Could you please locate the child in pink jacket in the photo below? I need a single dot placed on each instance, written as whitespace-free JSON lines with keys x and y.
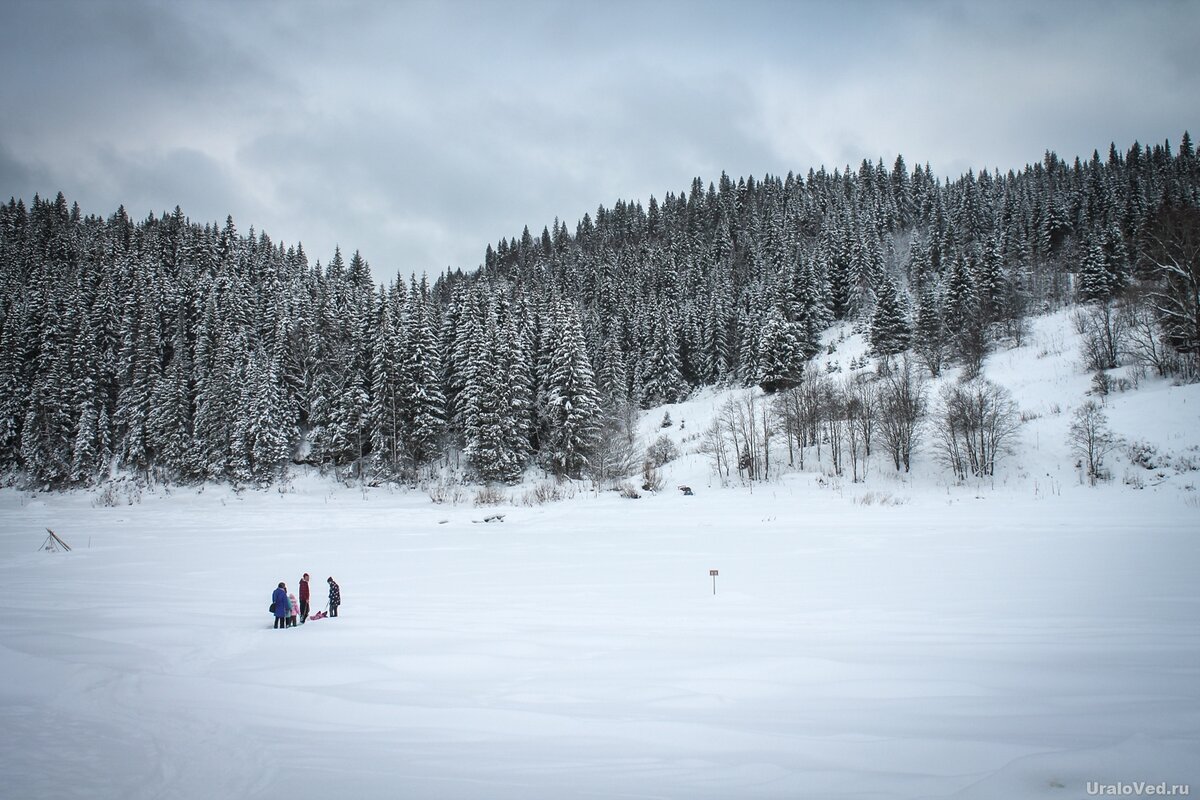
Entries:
{"x":293,"y":610}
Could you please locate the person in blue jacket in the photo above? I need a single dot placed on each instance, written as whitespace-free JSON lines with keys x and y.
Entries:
{"x":280,"y":600}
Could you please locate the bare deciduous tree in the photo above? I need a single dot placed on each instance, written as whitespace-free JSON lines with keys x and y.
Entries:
{"x":1173,"y":262}
{"x":741,"y":436}
{"x":978,"y":420}
{"x":1144,"y":342}
{"x":902,"y":408}
{"x":1090,"y":439}
{"x":615,"y":456}
{"x":1103,"y":330}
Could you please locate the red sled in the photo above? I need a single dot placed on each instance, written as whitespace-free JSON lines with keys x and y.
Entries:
{"x":319,"y":615}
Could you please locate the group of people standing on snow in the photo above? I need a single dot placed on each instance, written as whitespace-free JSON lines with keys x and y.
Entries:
{"x":286,"y":609}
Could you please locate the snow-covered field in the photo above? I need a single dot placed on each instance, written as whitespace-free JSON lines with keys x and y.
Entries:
{"x":901,"y":638}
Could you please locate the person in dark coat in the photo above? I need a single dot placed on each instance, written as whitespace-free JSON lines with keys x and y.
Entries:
{"x":304,"y":598}
{"x":279,"y":599}
{"x":335,"y":597}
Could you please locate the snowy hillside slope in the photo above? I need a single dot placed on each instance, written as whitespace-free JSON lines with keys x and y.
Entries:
{"x":1048,"y":383}
{"x":906,"y":637}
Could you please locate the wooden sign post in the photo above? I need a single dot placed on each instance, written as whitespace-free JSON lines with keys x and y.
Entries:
{"x":713,"y":573}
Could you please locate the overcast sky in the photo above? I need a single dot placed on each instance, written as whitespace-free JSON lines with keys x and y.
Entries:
{"x":420,"y":132}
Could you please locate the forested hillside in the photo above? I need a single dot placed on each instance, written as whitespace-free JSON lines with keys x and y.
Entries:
{"x":185,"y":352}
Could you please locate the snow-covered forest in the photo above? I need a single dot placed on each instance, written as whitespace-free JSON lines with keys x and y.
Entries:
{"x":185,"y":352}
{"x":1018,"y":635}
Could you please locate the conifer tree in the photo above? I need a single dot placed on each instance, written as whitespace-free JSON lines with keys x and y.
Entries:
{"x":572,"y":402}
{"x":47,"y":435}
{"x":662,"y":379}
{"x":516,"y":367}
{"x":780,"y":354}
{"x":964,"y":319}
{"x":488,"y":417}
{"x":16,"y":343}
{"x":930,"y":336}
{"x":386,"y":398}
{"x":158,"y":340}
{"x":612,"y":379}
{"x":169,"y":426}
{"x":139,"y":364}
{"x":1094,"y":284}
{"x":890,"y":329}
{"x":421,"y":377}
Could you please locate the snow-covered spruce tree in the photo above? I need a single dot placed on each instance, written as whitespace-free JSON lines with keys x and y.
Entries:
{"x":87,"y":453}
{"x":572,"y":402}
{"x":491,"y":448}
{"x":780,"y":354}
{"x":467,"y":358}
{"x":329,"y":353}
{"x":750,"y":325}
{"x":1094,"y":284}
{"x":16,"y":342}
{"x":516,"y":366}
{"x":963,"y":315}
{"x":423,"y":404}
{"x":612,"y":377}
{"x":460,"y":331}
{"x":140,"y":366}
{"x":867,"y":258}
{"x":47,"y":435}
{"x":348,"y":436}
{"x":929,"y":336}
{"x":890,"y":332}
{"x":835,"y":253}
{"x":349,"y":433}
{"x":387,"y":399}
{"x":213,"y":376}
{"x":804,"y":305}
{"x":169,"y":426}
{"x":263,"y":427}
{"x":662,"y":380}
{"x":719,"y":325}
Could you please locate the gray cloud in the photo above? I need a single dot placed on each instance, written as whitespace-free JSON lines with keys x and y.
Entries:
{"x":419,"y":132}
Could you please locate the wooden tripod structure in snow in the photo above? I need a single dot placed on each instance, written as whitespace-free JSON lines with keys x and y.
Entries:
{"x":53,"y":542}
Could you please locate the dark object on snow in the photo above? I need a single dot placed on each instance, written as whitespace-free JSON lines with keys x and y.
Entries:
{"x":53,"y":542}
{"x":687,"y":490}
{"x":335,"y":596}
{"x":492,"y":518}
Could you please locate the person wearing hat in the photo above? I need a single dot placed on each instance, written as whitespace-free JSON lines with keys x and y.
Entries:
{"x":279,"y":603}
{"x":304,"y":598}
{"x":335,"y":596}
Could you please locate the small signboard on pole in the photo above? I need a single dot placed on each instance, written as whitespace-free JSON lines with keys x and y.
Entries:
{"x":713,"y":573}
